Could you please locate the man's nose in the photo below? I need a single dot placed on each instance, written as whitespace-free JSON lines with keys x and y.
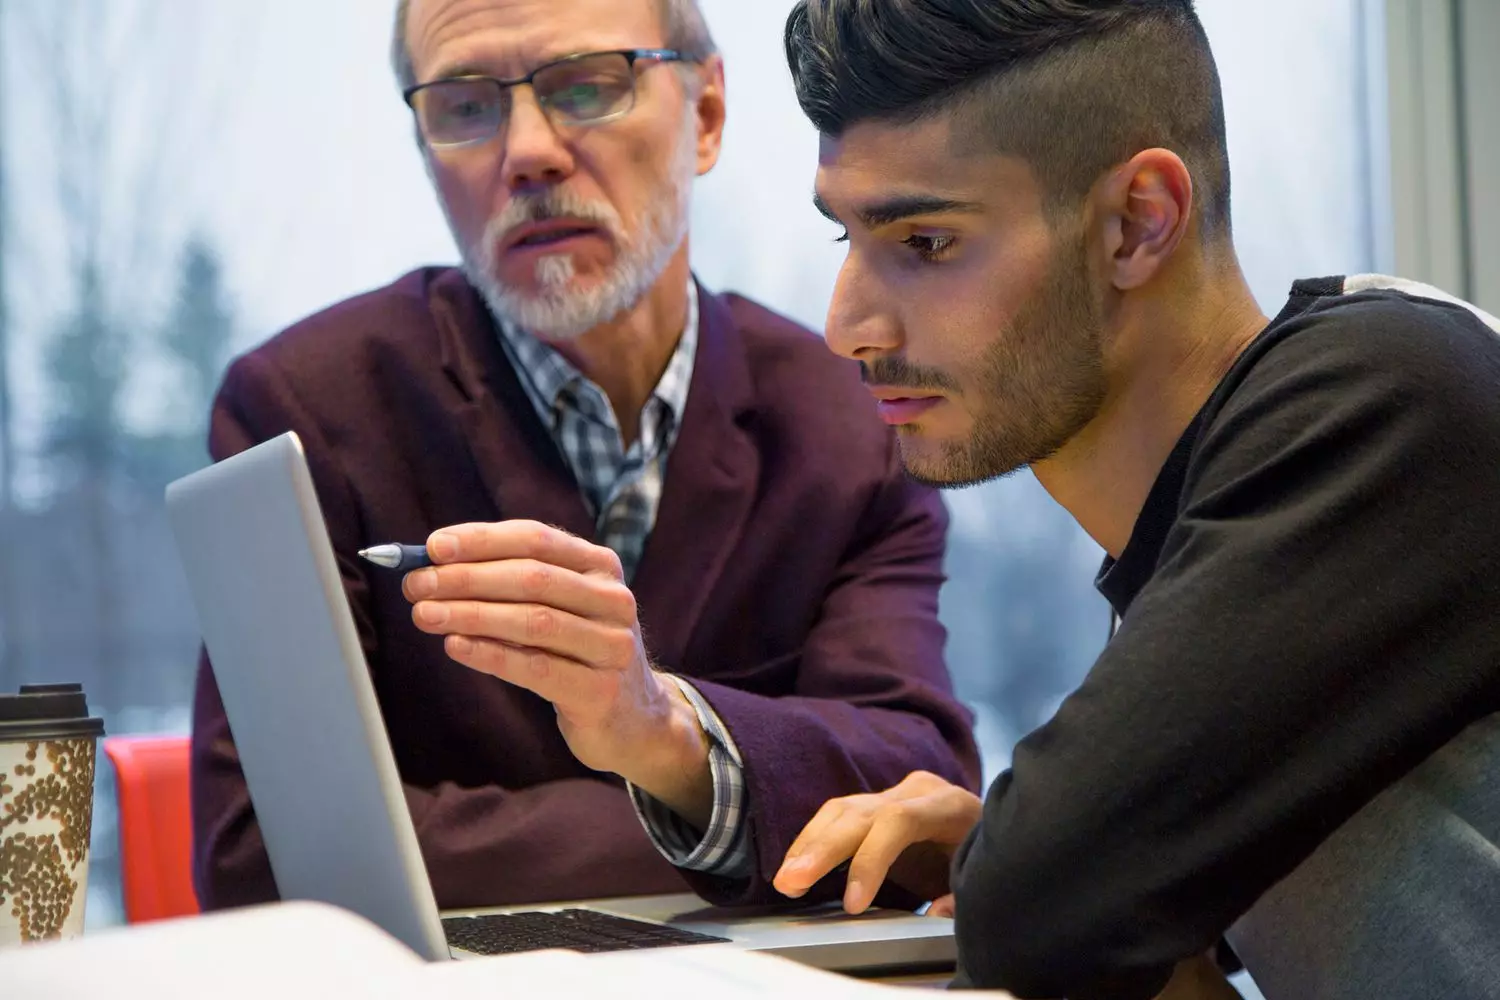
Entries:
{"x":861,"y":325}
{"x":534,"y":152}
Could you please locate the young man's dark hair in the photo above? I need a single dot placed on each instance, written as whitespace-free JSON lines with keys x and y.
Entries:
{"x":1291,"y":741}
{"x":1086,"y":84}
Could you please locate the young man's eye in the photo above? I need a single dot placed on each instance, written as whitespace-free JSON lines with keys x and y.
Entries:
{"x":842,"y":237}
{"x":930,"y":248}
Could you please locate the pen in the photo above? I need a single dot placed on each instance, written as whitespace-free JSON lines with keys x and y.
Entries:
{"x":403,"y":558}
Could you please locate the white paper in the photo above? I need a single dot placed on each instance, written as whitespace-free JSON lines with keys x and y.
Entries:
{"x":293,"y":951}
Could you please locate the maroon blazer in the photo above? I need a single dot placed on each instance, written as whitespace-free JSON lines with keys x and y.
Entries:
{"x":792,"y":574}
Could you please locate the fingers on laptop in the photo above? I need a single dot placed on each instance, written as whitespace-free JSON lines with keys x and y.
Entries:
{"x":911,"y":828}
{"x":829,"y":839}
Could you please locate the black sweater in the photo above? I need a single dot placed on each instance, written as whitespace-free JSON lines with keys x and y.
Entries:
{"x":1309,"y":611}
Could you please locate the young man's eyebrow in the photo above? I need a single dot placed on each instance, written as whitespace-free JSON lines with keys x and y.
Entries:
{"x":898,"y":207}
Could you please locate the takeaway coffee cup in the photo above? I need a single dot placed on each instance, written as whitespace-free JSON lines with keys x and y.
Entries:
{"x":47,"y":747}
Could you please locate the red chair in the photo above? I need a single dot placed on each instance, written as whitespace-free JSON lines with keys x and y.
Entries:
{"x":156,"y":833}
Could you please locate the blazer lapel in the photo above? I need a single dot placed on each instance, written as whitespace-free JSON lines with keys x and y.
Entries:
{"x":709,"y":488}
{"x":518,"y":461}
{"x":711,"y":475}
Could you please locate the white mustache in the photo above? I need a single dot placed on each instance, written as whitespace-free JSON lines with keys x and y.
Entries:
{"x":555,"y":204}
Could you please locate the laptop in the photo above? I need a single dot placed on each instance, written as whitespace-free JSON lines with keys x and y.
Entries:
{"x":323,"y":780}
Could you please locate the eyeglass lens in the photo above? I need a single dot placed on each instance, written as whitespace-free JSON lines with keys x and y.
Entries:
{"x":577,"y":91}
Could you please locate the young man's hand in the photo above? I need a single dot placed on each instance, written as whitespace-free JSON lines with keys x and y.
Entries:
{"x":907,"y":833}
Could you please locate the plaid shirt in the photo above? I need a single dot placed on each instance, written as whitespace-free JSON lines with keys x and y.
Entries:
{"x":622,"y":487}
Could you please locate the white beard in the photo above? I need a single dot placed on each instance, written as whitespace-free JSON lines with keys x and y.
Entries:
{"x":558,"y":310}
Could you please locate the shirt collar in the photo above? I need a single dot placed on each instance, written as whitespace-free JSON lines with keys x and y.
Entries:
{"x":546,"y":374}
{"x":1120,"y":580}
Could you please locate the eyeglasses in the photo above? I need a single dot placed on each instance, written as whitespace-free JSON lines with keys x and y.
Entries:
{"x":584,"y":89}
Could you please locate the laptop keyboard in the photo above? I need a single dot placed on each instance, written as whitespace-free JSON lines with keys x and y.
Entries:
{"x":578,"y":930}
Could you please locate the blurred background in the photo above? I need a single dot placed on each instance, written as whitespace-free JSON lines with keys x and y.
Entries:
{"x":180,"y":180}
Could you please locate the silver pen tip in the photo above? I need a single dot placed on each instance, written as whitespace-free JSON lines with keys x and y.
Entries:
{"x":388,"y":556}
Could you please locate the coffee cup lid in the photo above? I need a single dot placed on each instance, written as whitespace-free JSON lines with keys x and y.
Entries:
{"x":47,"y":712}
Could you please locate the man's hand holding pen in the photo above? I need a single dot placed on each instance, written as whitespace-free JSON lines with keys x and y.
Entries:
{"x":549,"y":612}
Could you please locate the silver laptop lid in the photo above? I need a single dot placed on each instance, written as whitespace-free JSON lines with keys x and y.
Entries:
{"x":297,"y":691}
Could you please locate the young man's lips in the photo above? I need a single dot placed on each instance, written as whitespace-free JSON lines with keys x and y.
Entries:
{"x":905,"y":409}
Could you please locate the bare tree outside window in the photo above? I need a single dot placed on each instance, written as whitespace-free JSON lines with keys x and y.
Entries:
{"x":115,"y":324}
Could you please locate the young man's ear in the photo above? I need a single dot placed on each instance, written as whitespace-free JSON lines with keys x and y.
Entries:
{"x":1147,"y":205}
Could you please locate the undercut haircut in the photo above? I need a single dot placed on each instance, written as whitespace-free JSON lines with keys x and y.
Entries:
{"x":1073,"y":87}
{"x":682,"y":22}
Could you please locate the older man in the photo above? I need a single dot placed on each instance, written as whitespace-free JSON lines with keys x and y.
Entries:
{"x":678,"y":561}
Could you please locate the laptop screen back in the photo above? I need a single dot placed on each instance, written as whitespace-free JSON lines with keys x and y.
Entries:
{"x":297,"y":691}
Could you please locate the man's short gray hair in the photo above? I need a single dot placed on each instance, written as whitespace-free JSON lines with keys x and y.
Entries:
{"x":682,"y":22}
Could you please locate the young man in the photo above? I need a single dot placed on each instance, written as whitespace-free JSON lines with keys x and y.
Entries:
{"x":1292,"y":739}
{"x":741,"y":577}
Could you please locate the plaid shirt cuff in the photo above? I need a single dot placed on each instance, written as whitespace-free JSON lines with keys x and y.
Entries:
{"x":723,"y":849}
